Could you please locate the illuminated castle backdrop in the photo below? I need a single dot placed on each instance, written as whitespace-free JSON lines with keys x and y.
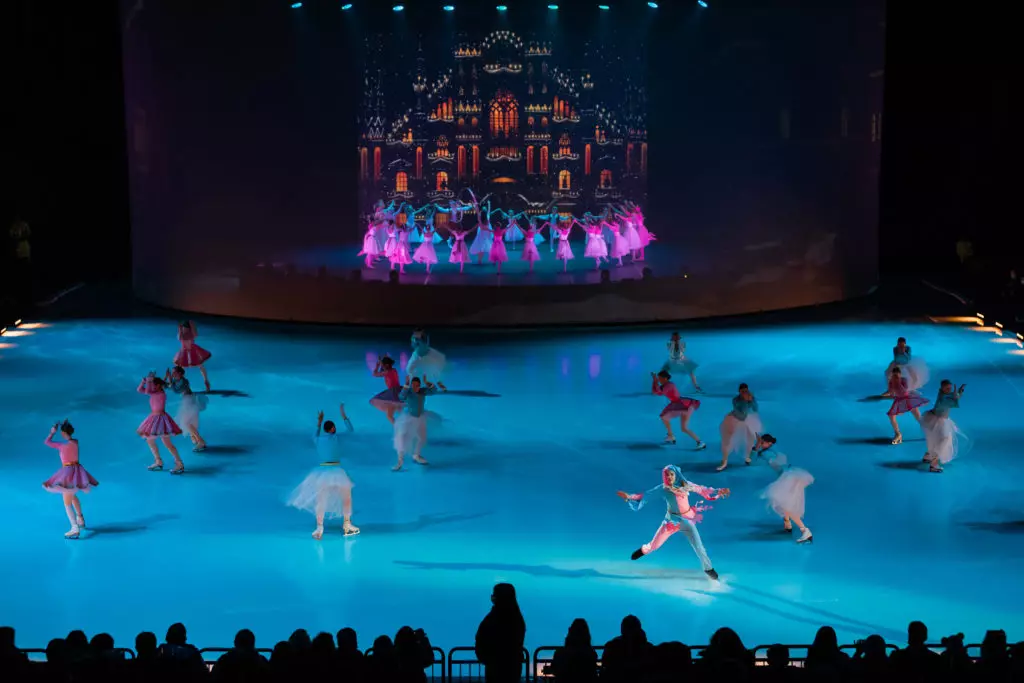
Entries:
{"x":507,"y":115}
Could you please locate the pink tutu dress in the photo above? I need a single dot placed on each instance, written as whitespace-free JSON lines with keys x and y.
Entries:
{"x":370,"y":247}
{"x":191,"y":355}
{"x":785,"y":495}
{"x":71,"y":477}
{"x":498,"y":252}
{"x":620,"y":245}
{"x":564,"y":252}
{"x":460,"y":252}
{"x":159,"y":423}
{"x":530,"y":252}
{"x":402,"y":253}
{"x":425,"y":253}
{"x":904,"y":400}
{"x":631,"y":234}
{"x":390,"y":396}
{"x":645,"y":236}
{"x":392,"y":241}
{"x":596,"y":246}
{"x":677,"y":404}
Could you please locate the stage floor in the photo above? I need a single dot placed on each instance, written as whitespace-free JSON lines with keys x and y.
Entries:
{"x":662,"y":259}
{"x":542,"y":430}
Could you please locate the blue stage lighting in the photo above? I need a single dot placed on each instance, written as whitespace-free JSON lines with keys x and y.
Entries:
{"x":449,"y":8}
{"x":398,"y":8}
{"x":652,"y":5}
{"x":604,"y":7}
{"x":552,"y":6}
{"x":296,"y":5}
{"x":502,"y":8}
{"x":702,"y":3}
{"x":346,"y":7}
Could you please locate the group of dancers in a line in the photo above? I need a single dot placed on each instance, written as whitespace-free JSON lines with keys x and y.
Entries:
{"x":616,"y":233}
{"x":326,"y":491}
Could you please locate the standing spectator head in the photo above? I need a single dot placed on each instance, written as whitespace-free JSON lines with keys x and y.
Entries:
{"x":578,"y":635}
{"x":917,"y":634}
{"x":778,"y":656}
{"x":145,"y":644}
{"x":245,"y":640}
{"x":347,"y":640}
{"x":176,"y":634}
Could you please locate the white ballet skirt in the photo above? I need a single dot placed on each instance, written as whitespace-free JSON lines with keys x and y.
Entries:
{"x":620,"y":246}
{"x":514,"y":234}
{"x":785,"y":495}
{"x":596,"y":246}
{"x":941,"y":436}
{"x":188,"y":410}
{"x":739,"y":436}
{"x":430,"y":364}
{"x":324,"y":486}
{"x":411,"y":432}
{"x":632,"y":236}
{"x":564,"y":252}
{"x":915,"y":372}
{"x":425,"y":253}
{"x":482,"y":242}
{"x":370,"y":246}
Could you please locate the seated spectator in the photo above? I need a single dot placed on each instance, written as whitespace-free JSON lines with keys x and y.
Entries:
{"x":322,"y":655}
{"x":178,"y":659}
{"x":915,"y":660}
{"x":146,"y":664}
{"x":955,"y":661}
{"x":672,"y":663}
{"x":413,"y":654}
{"x":281,"y":660}
{"x":11,"y":658}
{"x":629,"y":656}
{"x":576,"y":660}
{"x":500,"y":637}
{"x":727,"y":657}
{"x":994,"y":664}
{"x":871,"y":660}
{"x":381,"y":662}
{"x":351,"y":666}
{"x":242,"y":663}
{"x":825,"y":661}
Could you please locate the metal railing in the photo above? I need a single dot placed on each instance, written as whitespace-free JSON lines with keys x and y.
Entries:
{"x":218,"y":651}
{"x":437,"y":671}
{"x":37,"y":654}
{"x":470,"y":669}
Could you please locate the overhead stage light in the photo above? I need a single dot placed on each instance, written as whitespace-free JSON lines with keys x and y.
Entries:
{"x":296,"y":5}
{"x":552,"y":6}
{"x":346,"y":6}
{"x":604,"y":7}
{"x":502,"y":8}
{"x":398,"y":8}
{"x":449,"y":8}
{"x":652,"y":5}
{"x":702,"y":4}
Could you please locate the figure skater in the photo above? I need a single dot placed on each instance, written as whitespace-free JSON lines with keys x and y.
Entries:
{"x":401,"y":254}
{"x":678,"y":362}
{"x":484,"y":234}
{"x":425,"y":360}
{"x":740,"y":427}
{"x":159,"y":424}
{"x":71,"y":478}
{"x":682,"y":406}
{"x":459,"y":253}
{"x":940,"y":432}
{"x":914,"y":370}
{"x":411,"y":425}
{"x":564,"y":253}
{"x":785,"y":495}
{"x":679,"y":514}
{"x":904,"y":401}
{"x":191,"y":355}
{"x":530,"y":253}
{"x":498,"y":253}
{"x":327,"y":491}
{"x":596,"y":248}
{"x":388,"y":400}
{"x":370,"y":251}
{"x":191,"y":406}
{"x":425,"y":253}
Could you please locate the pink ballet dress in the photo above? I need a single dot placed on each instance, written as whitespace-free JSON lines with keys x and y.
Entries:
{"x":530,"y":252}
{"x":71,"y":477}
{"x":159,"y":423}
{"x":391,"y":243}
{"x":425,"y":253}
{"x":631,"y":235}
{"x":191,"y":355}
{"x":904,"y":400}
{"x":498,"y":252}
{"x":460,"y":252}
{"x":596,"y":246}
{"x":645,"y":236}
{"x":620,"y":245}
{"x":402,"y":253}
{"x":370,"y":247}
{"x":564,"y":251}
{"x":391,"y":396}
{"x":678,"y":404}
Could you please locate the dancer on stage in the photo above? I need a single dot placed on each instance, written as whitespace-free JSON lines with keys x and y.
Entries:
{"x":914,"y":370}
{"x":411,"y":425}
{"x":564,"y":253}
{"x":498,"y":253}
{"x":71,"y":478}
{"x":940,"y":432}
{"x":387,"y":401}
{"x":619,"y":244}
{"x":425,"y":360}
{"x":425,"y":253}
{"x":191,"y":355}
{"x":678,"y":362}
{"x":513,"y":233}
{"x":596,"y":247}
{"x":191,"y":406}
{"x":391,"y":230}
{"x":159,"y":424}
{"x":679,"y":515}
{"x":786,"y":494}
{"x":460,"y":252}
{"x":629,"y":231}
{"x":740,"y":427}
{"x":327,"y":490}
{"x":530,"y":253}
{"x":482,"y":243}
{"x":646,"y":237}
{"x":370,"y":251}
{"x":904,"y":401}
{"x":682,"y":406}
{"x":402,"y":252}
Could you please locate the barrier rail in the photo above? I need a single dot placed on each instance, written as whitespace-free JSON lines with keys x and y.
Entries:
{"x":470,"y":663}
{"x":436,"y":666}
{"x":223,"y":650}
{"x":37,"y":654}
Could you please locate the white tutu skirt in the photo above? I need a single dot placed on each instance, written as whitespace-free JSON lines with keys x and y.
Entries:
{"x":370,"y":246}
{"x":425,"y":253}
{"x":188,"y":411}
{"x":942,"y":436}
{"x":482,"y":242}
{"x":738,"y":436}
{"x":683,"y":366}
{"x":596,"y":247}
{"x":564,"y":252}
{"x":786,"y":494}
{"x":632,"y":237}
{"x":514,"y":234}
{"x":411,"y":432}
{"x":916,"y":373}
{"x":430,"y":364}
{"x":324,"y":488}
{"x":620,"y":246}
{"x":530,"y":252}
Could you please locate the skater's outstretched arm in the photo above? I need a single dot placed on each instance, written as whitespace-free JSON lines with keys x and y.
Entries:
{"x":344,"y":418}
{"x":707,"y":492}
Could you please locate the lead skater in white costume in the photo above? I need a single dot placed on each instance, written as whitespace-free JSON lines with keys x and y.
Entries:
{"x":327,"y":491}
{"x":940,"y":432}
{"x":426,"y":360}
{"x":785,"y":495}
